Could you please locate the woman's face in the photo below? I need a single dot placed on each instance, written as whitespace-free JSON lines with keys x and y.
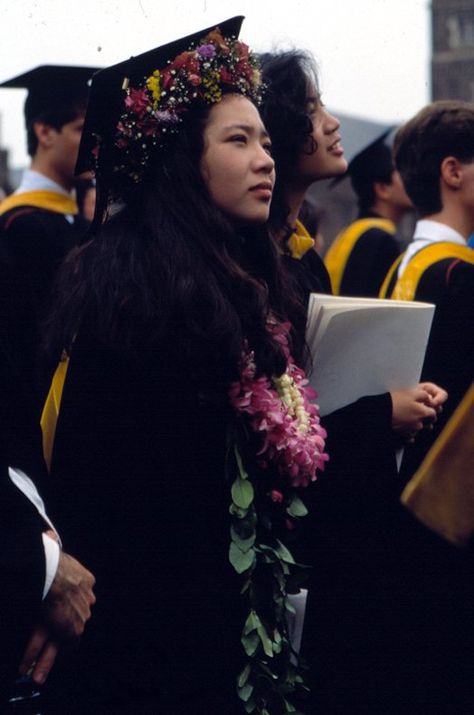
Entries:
{"x":236,"y":162}
{"x":327,"y":160}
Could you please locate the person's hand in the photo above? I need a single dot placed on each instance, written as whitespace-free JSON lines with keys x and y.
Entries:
{"x":64,"y":614}
{"x":437,"y":394}
{"x":415,"y":408}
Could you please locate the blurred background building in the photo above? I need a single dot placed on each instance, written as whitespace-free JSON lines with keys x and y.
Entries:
{"x":452,"y":63}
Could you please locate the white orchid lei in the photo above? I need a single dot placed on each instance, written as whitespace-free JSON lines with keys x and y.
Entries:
{"x":277,"y":414}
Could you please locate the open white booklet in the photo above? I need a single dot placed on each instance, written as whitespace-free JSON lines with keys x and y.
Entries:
{"x":364,"y":346}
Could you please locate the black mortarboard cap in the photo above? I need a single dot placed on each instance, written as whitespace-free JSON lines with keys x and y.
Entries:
{"x":51,"y":87}
{"x":374,"y":162}
{"x":106,"y":92}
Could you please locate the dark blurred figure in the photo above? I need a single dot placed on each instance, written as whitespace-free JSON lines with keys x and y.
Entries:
{"x":362,"y":253}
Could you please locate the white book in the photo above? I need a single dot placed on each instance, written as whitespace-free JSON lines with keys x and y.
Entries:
{"x":364,"y":346}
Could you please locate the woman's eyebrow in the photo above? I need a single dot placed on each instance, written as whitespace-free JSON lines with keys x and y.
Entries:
{"x":249,"y":128}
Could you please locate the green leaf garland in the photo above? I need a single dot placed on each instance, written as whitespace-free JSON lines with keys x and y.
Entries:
{"x":271,"y":676}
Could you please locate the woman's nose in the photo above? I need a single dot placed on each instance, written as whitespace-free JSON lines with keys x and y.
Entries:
{"x":331,"y":123}
{"x":265,"y":160}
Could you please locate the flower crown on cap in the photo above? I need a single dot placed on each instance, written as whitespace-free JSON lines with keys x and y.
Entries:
{"x":155,"y":109}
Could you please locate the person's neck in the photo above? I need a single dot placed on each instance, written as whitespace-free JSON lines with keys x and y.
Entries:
{"x":388,"y":211}
{"x":42,"y":167}
{"x":455,"y":218}
{"x":294,"y":199}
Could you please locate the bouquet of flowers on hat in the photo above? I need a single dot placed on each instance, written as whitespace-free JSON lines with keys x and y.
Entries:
{"x":276,"y":417}
{"x":199,"y":75}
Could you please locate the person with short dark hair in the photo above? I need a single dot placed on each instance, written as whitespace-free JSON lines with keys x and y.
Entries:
{"x":39,"y":222}
{"x":434,"y":153}
{"x":359,"y":257}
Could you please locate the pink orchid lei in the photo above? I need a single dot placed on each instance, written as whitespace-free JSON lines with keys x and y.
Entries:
{"x":279,"y":413}
{"x":280,"y":410}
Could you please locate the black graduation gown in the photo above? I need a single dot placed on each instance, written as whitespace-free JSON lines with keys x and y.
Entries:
{"x":449,"y":360}
{"x":368,"y":262}
{"x":139,"y":494}
{"x":388,"y":625}
{"x":33,"y":243}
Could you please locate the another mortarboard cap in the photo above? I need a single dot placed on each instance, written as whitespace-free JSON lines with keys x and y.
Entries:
{"x":106,"y":98}
{"x":374,"y":162}
{"x":51,"y":88}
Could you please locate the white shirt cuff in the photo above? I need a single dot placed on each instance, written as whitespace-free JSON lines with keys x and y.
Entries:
{"x":51,"y":547}
{"x":51,"y":555}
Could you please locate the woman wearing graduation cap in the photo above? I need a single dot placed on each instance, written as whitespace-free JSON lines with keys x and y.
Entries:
{"x":185,"y":434}
{"x":379,"y":630}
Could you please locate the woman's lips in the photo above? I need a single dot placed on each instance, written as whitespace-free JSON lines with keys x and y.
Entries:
{"x":263,"y":190}
{"x":336,"y":148}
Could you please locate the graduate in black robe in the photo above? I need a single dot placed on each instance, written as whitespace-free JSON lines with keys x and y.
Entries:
{"x":388,"y":622}
{"x":40,"y":223}
{"x":438,"y":266}
{"x":155,"y":313}
{"x":359,"y":257}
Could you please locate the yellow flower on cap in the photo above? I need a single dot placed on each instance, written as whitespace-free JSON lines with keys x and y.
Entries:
{"x":153,"y":84}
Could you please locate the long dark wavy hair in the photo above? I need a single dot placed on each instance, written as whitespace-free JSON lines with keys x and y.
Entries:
{"x":288,"y":76}
{"x":171,"y":265}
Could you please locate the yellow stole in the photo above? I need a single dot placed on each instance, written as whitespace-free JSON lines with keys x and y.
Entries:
{"x":389,"y":277}
{"x":338,"y":253}
{"x":406,"y":285}
{"x":49,"y":417}
{"x":49,"y":200}
{"x":300,"y":242}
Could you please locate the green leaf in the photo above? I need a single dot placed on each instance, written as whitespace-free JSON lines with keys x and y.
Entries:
{"x":244,"y":676}
{"x":296,"y":507}
{"x":250,"y":643}
{"x":240,"y":466}
{"x":246,"y":527}
{"x":250,"y":706}
{"x":236,"y":511}
{"x":245,"y":692}
{"x":246,"y":585}
{"x":241,"y":561}
{"x":252,"y":623}
{"x":242,"y":493}
{"x":243,"y":544}
{"x":284,"y":554}
{"x":266,"y":641}
{"x":289,"y":606}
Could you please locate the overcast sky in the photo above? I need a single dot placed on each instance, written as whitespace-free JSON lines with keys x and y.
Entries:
{"x":373,"y":55}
